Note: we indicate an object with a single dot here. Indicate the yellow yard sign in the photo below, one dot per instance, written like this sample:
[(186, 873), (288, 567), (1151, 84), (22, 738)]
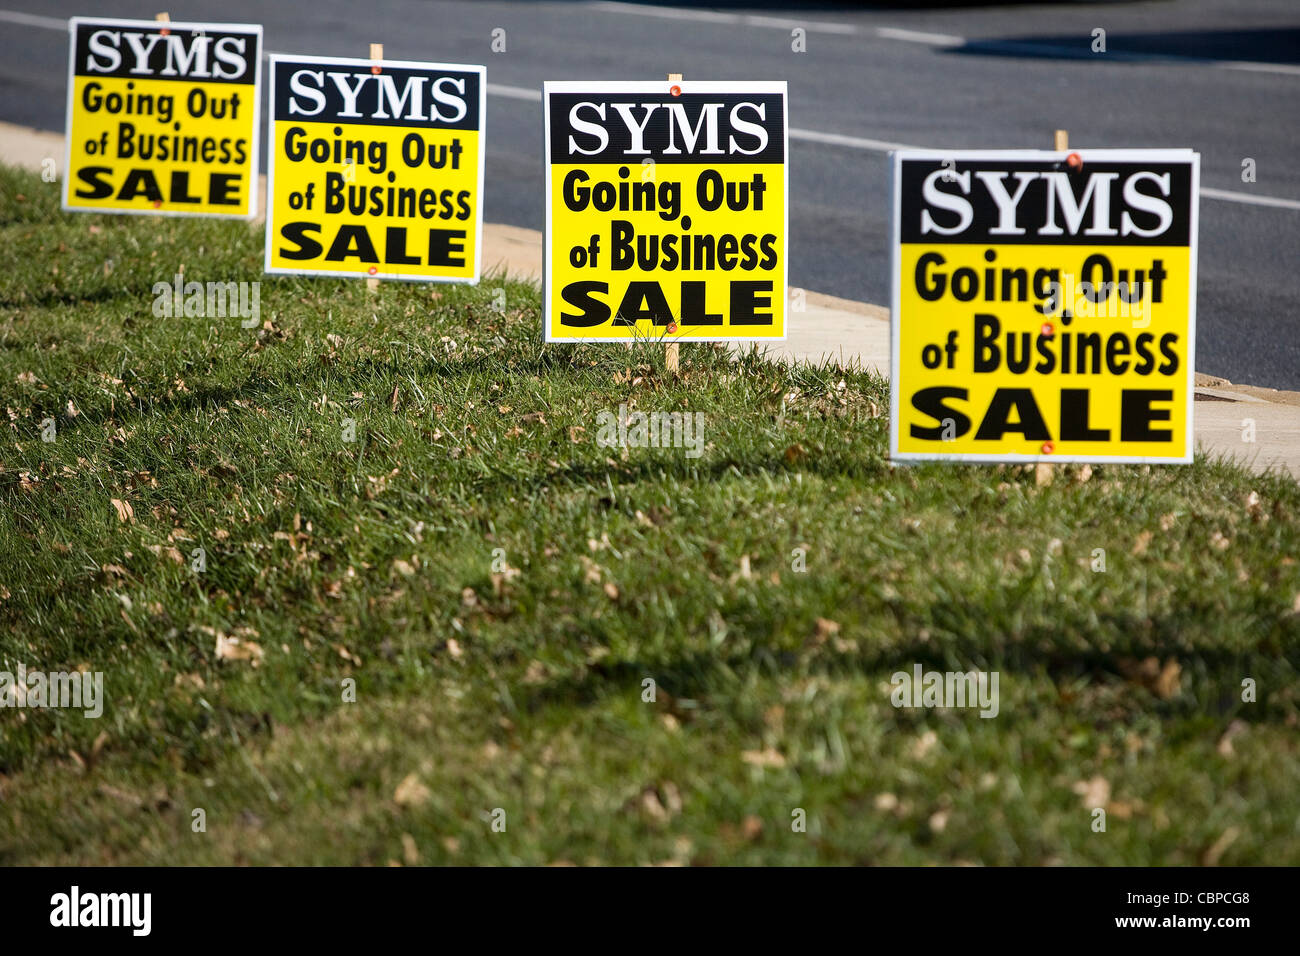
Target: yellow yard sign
[(163, 117), (1044, 305), (666, 211), (376, 168)]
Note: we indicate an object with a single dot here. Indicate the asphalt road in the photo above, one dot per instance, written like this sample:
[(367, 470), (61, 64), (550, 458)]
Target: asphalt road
[(1220, 77)]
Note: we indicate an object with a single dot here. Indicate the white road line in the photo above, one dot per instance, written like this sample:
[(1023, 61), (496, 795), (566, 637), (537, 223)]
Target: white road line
[(812, 26), (916, 36), (713, 16), (884, 146), (853, 142), (32, 20), (1081, 52), (667, 13), (805, 135), (1250, 199), (514, 92), (947, 40), (1251, 67)]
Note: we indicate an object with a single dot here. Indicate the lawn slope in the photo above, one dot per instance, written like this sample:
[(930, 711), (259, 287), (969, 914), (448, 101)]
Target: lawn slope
[(568, 652)]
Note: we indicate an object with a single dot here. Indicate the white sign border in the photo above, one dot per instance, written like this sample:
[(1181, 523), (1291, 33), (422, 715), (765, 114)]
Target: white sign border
[(480, 69), (659, 87), (896, 158), (254, 172)]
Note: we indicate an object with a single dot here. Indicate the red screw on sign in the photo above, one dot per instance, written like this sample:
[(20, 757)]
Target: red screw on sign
[(675, 90), (1074, 161), (1048, 448)]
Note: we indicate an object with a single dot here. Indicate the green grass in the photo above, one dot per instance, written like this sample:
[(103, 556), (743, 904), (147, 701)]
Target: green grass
[(523, 690)]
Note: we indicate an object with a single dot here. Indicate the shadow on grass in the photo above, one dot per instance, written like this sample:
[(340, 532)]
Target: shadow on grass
[(696, 676)]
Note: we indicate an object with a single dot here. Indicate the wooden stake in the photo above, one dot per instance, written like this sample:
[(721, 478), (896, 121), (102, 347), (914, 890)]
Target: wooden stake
[(672, 352), (376, 54), (163, 17), (1045, 471)]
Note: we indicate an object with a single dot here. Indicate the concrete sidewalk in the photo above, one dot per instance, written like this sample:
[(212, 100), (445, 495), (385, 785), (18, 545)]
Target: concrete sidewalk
[(1226, 416)]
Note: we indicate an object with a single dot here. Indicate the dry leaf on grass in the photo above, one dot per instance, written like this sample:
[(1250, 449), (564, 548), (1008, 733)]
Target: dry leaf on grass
[(125, 513), (1235, 729), (238, 649), (536, 673), (1093, 793), (652, 807), (924, 744), (591, 570), (1163, 681), (411, 792), (1169, 681), (763, 758), (1216, 850), (410, 852), (172, 553)]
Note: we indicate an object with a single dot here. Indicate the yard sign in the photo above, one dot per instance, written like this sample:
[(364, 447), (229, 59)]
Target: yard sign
[(1044, 305)]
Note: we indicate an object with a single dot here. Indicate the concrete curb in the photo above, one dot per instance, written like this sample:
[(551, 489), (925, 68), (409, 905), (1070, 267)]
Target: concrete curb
[(1259, 427)]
